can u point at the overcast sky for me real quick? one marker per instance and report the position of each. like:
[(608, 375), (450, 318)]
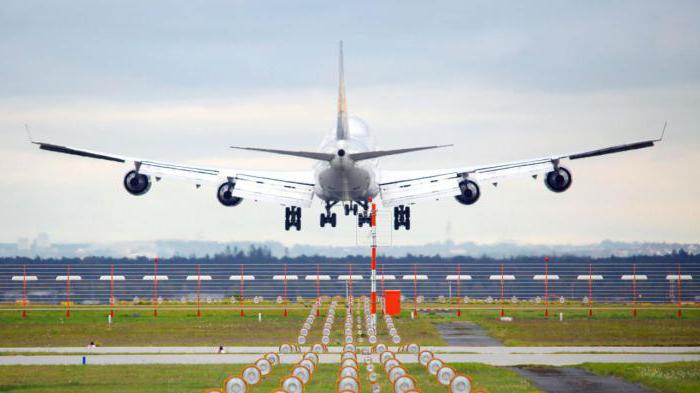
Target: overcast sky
[(181, 81)]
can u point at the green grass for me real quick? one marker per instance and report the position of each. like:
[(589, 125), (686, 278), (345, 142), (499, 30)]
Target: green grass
[(611, 326), (681, 377), (607, 327), (139, 327), (196, 378), (134, 326)]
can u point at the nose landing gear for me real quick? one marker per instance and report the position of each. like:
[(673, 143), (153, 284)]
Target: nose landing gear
[(292, 217), (350, 208)]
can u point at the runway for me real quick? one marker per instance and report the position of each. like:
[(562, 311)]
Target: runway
[(496, 356)]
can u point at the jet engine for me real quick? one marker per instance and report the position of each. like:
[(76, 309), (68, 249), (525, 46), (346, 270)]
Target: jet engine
[(137, 183), (470, 192), (225, 195), (558, 180)]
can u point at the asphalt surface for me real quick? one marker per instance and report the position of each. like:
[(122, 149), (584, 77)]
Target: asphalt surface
[(574, 380), (335, 349), (466, 334), (495, 359)]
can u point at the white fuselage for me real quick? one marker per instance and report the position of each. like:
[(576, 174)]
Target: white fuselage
[(342, 179)]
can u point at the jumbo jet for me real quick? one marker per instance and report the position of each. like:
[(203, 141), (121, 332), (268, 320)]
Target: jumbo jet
[(346, 173)]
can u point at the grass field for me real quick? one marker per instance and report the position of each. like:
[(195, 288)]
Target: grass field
[(178, 378), (180, 327), (682, 377)]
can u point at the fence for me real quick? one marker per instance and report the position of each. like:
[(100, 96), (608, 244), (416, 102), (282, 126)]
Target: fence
[(98, 283)]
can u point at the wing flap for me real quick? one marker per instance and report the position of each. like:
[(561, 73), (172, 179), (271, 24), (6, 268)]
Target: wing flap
[(185, 172), (272, 190), (410, 191)]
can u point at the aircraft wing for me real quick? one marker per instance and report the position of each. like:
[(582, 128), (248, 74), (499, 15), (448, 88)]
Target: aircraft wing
[(407, 187), (285, 188)]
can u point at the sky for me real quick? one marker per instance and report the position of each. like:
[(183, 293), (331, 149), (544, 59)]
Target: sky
[(501, 80)]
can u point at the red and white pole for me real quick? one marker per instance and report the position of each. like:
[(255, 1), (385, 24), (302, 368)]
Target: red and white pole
[(373, 298)]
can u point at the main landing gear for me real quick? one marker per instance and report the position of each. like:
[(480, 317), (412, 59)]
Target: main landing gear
[(328, 217), (292, 217), (402, 217), (364, 217)]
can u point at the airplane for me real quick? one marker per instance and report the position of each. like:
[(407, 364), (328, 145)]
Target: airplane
[(346, 172)]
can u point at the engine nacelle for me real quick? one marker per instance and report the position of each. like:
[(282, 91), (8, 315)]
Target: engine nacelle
[(137, 183), (470, 192), (225, 195), (558, 180)]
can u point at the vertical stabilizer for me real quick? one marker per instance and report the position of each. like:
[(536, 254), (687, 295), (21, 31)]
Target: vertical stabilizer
[(342, 129)]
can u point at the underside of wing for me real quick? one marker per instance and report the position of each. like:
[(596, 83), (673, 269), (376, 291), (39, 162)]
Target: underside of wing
[(282, 187), (406, 187)]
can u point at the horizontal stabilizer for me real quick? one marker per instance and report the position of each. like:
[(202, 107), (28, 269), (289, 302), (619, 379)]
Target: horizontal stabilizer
[(381, 153), (303, 154)]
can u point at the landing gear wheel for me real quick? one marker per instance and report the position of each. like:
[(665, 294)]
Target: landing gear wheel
[(331, 218), (402, 217), (364, 218), (354, 209), (292, 218), (346, 209)]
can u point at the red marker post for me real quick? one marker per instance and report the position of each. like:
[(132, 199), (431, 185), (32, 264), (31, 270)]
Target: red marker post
[(24, 292), (383, 299), (242, 292), (155, 287), (111, 291), (590, 290), (415, 291), (459, 277), (352, 302), (546, 287), (199, 287), (680, 293), (318, 290), (68, 293), (634, 290), (285, 290), (503, 313)]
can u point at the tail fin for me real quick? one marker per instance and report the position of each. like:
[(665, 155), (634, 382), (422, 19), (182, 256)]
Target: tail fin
[(342, 128)]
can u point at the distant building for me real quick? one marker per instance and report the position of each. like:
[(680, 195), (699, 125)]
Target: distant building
[(42, 241), (23, 244)]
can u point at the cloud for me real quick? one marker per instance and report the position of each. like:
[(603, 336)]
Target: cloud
[(500, 81)]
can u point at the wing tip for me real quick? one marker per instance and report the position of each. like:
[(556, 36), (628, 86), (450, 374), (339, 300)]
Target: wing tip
[(663, 132), (29, 134)]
